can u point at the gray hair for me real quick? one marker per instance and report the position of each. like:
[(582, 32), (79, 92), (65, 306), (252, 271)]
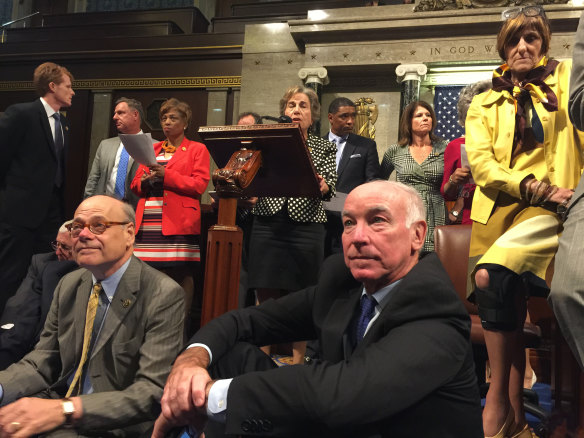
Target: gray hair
[(63, 228), (466, 96), (415, 210), (133, 104), (312, 97), (257, 118), (129, 212)]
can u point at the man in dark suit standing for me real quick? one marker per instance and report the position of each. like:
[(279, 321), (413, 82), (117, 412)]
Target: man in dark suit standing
[(396, 355), (357, 163), (113, 169), (25, 313), (112, 331), (34, 139)]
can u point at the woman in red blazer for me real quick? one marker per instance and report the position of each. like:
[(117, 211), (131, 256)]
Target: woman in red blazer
[(168, 215)]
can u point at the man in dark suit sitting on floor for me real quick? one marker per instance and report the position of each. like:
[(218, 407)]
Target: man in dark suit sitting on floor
[(25, 313), (396, 355), (357, 163)]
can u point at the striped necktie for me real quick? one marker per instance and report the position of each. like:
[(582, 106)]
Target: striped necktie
[(92, 304)]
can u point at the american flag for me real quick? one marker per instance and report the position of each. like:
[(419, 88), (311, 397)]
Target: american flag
[(445, 100)]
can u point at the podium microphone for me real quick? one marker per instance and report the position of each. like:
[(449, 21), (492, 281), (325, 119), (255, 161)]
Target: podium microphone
[(281, 119)]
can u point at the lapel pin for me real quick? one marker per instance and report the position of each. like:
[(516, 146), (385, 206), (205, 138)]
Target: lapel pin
[(126, 303), (66, 128)]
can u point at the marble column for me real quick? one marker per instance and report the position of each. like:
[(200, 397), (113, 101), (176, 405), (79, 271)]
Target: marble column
[(101, 120), (410, 76), (315, 78)]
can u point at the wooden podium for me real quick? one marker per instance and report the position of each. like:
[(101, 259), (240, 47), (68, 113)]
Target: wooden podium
[(253, 160)]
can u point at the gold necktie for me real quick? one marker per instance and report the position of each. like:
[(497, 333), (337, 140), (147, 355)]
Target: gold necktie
[(77, 382)]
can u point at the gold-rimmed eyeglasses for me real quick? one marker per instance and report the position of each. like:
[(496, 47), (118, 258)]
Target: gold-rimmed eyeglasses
[(96, 227), (56, 245), (528, 11)]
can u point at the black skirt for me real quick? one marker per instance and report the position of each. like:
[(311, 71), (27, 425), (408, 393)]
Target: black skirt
[(284, 254)]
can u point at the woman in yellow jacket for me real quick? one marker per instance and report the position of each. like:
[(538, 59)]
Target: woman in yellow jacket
[(526, 157)]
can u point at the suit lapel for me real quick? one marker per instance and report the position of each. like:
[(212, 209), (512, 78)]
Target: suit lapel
[(122, 303), (177, 158), (81, 300), (338, 325), (111, 157), (44, 120), (347, 152)]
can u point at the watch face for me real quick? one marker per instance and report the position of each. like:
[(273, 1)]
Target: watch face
[(454, 213), (68, 407)]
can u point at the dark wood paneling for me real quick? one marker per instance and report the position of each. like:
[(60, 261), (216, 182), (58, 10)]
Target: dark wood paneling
[(276, 8), (79, 116), (189, 20), (65, 33)]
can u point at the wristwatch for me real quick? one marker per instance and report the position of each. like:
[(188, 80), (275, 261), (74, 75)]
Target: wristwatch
[(455, 213), (68, 411)]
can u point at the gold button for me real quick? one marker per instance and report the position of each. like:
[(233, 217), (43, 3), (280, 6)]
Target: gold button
[(183, 148), (552, 169)]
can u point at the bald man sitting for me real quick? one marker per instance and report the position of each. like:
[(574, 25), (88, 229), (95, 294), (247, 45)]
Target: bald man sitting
[(111, 334), (396, 356)]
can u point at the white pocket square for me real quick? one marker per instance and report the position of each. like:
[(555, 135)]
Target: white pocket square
[(355, 156)]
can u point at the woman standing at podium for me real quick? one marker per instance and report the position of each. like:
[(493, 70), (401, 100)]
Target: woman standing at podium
[(287, 238)]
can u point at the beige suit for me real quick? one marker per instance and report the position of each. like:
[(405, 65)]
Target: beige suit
[(141, 336)]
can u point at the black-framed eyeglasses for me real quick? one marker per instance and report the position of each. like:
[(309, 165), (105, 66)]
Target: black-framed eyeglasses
[(528, 11), (96, 227), (56, 245)]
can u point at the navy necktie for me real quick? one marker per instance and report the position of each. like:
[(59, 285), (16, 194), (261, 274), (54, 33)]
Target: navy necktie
[(59, 144), (367, 311), (120, 188)]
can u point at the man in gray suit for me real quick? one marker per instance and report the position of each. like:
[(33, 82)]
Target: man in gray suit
[(567, 290), (107, 346), (111, 156)]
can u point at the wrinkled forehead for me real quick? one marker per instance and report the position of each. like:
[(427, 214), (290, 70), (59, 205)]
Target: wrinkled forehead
[(374, 198), (98, 208), (63, 237)]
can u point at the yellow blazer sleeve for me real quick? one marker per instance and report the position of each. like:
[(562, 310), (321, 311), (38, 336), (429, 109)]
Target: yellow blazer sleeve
[(489, 126)]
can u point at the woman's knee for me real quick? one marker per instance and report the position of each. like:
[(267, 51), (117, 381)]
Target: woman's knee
[(482, 278)]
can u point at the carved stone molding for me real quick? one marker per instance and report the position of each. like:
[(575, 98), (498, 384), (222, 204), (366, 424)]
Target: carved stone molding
[(441, 5), (138, 83), (410, 72), (314, 74)]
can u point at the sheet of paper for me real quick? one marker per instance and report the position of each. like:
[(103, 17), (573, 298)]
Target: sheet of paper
[(139, 146), (464, 161), (337, 203)]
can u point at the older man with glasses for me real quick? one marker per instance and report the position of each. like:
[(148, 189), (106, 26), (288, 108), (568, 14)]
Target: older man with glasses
[(112, 332), (25, 313)]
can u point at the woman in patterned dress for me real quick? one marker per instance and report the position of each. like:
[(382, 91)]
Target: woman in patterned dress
[(418, 160), (168, 215), (525, 157), (287, 238)]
